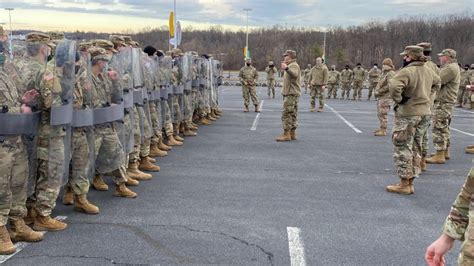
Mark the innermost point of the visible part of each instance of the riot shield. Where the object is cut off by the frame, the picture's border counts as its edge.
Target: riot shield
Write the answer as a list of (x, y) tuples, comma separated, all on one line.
[(196, 68), (126, 136), (61, 82), (170, 84), (148, 69), (140, 94)]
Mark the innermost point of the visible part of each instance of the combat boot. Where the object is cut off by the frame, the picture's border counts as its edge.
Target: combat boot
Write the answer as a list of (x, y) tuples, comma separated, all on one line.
[(146, 165), (6, 245), (81, 204), (401, 188), (123, 191), (293, 134), (178, 138), (132, 182), (209, 117), (173, 142), (380, 133), (423, 164), (312, 109), (246, 109), (193, 127), (134, 173), (68, 196), (46, 223), (19, 231), (257, 109), (469, 149), (30, 216), (204, 121), (156, 152), (320, 109), (163, 146), (438, 158), (151, 160), (412, 187), (189, 133), (284, 137), (99, 184), (447, 154)]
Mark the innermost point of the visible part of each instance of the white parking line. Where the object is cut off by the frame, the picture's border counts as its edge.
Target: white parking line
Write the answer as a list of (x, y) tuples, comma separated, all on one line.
[(255, 122), (343, 119), (22, 245), (296, 247), (465, 111), (463, 132)]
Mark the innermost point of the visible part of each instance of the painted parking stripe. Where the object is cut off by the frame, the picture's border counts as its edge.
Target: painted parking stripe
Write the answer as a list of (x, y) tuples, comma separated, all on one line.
[(343, 119), (460, 131), (296, 247), (255, 121)]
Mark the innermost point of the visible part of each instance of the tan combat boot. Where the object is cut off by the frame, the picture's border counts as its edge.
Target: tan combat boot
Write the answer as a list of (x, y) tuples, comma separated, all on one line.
[(246, 109), (412, 187), (151, 160), (173, 142), (19, 231), (447, 154), (193, 127), (163, 146), (123, 191), (216, 114), (469, 149), (423, 164), (99, 184), (178, 138), (381, 133), (81, 204), (132, 182), (6, 245), (156, 152), (134, 173), (284, 137), (320, 109), (146, 165), (68, 196), (257, 109), (204, 121), (401, 188), (189, 133), (30, 216), (46, 223), (293, 134), (438, 158), (211, 118), (311, 109)]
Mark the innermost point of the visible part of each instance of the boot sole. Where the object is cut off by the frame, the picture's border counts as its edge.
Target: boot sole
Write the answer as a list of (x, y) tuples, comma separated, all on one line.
[(77, 209), (125, 196), (399, 192), (8, 252), (68, 203), (100, 189), (40, 228), (20, 239)]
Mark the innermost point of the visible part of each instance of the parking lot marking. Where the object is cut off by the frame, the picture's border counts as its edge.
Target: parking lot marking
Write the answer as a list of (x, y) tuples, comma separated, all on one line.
[(343, 119), (296, 247), (255, 121)]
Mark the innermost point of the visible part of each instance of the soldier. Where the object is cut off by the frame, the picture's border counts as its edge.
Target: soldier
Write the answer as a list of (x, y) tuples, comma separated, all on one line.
[(374, 75), (462, 86), (248, 77), (443, 106), (291, 93), (383, 96), (13, 166), (346, 80), (410, 89), (305, 75), (359, 75), (469, 95), (177, 80), (333, 82), (318, 79), (271, 70), (458, 226)]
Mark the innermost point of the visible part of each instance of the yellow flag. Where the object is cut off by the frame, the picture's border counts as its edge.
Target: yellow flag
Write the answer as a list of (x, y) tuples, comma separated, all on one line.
[(171, 24)]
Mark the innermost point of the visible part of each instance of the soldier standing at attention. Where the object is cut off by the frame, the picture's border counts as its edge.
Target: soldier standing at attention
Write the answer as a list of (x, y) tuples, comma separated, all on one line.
[(359, 77), (333, 82), (318, 79), (374, 75), (346, 79), (383, 97), (248, 78), (271, 70)]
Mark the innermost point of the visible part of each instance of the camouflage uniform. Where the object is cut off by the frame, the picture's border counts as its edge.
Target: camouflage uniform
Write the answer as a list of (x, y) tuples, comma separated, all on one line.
[(14, 168), (359, 78), (425, 145), (271, 80), (333, 83), (346, 79), (291, 93), (305, 76), (461, 100), (460, 221), (374, 75), (318, 79), (248, 77), (383, 97)]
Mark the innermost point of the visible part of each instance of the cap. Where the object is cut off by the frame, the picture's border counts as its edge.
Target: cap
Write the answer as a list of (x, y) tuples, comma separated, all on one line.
[(290, 52), (127, 40), (40, 38), (176, 52), (117, 40), (107, 45), (84, 46), (56, 35), (426, 46), (413, 50), (448, 52), (388, 62), (98, 53)]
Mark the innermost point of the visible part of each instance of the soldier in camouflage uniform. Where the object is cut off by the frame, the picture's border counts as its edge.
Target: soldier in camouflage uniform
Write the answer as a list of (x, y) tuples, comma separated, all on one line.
[(359, 75), (461, 100), (443, 106), (248, 78), (177, 79), (291, 94), (410, 89), (383, 97), (346, 80), (271, 70), (458, 226), (318, 79), (374, 75), (305, 76), (333, 82), (13, 170)]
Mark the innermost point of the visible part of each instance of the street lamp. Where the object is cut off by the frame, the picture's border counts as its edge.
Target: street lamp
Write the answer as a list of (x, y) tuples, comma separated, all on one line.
[(9, 9), (247, 39)]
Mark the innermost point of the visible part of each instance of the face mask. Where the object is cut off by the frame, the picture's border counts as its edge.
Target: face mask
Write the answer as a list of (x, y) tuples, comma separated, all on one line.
[(347, 68), (375, 67), (333, 69), (358, 66), (248, 64), (406, 63), (2, 59)]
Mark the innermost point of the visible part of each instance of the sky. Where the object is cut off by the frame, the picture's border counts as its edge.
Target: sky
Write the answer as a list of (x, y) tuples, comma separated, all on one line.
[(133, 16)]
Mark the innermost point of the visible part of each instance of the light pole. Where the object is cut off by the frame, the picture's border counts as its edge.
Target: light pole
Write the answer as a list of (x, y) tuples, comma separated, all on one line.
[(247, 39), (9, 9)]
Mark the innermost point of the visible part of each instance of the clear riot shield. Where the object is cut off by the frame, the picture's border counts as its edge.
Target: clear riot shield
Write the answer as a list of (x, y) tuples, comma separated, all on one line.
[(60, 78), (206, 71), (140, 95), (83, 134), (126, 136), (170, 87), (196, 68), (148, 68), (179, 88)]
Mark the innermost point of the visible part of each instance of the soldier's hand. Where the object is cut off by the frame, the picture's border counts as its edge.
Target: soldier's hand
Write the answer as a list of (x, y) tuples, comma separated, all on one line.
[(434, 255), (112, 75), (29, 96), (25, 109), (283, 66)]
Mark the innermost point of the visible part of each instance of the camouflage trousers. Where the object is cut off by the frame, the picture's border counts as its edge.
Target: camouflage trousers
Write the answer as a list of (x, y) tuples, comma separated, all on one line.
[(250, 92), (383, 107), (271, 87), (461, 95), (317, 91), (357, 89), (173, 102), (188, 110), (13, 179), (332, 90), (306, 86), (204, 106), (418, 144), (146, 131), (195, 94), (80, 170), (407, 151), (167, 121), (425, 142), (466, 256), (346, 89), (156, 121), (109, 153), (289, 116), (441, 120), (372, 85)]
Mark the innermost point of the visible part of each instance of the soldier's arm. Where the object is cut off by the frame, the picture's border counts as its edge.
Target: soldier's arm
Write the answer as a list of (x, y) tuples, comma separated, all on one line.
[(325, 76), (396, 85), (255, 75), (436, 86), (292, 71), (446, 74), (458, 219)]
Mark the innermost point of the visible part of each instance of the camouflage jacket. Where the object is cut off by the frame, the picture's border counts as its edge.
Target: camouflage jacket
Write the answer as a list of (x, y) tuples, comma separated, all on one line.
[(334, 77), (382, 91), (464, 79), (306, 74), (292, 80), (374, 74), (319, 75), (270, 72), (450, 79), (248, 75), (359, 74), (347, 75), (9, 98)]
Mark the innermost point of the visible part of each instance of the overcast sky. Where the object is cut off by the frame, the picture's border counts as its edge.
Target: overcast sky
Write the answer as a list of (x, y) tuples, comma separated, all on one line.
[(122, 15)]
